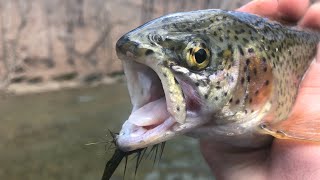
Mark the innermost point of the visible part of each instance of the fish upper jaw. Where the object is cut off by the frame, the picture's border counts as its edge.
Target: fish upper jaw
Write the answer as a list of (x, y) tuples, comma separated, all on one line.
[(160, 111)]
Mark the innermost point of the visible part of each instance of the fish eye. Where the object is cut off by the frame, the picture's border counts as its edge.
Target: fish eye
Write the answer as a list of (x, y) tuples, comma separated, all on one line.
[(198, 57)]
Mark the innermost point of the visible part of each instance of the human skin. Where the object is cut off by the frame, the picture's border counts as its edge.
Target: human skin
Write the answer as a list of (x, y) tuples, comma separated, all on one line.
[(283, 159)]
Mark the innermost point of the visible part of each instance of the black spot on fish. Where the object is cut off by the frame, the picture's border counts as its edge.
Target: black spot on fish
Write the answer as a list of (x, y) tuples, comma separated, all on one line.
[(248, 78), (216, 98), (267, 82), (255, 71), (250, 100), (247, 62), (206, 96), (215, 33), (236, 37), (245, 40), (178, 108), (265, 69), (250, 50), (257, 92), (242, 80), (225, 93), (240, 50), (230, 101), (218, 87), (264, 59), (221, 39), (197, 84), (237, 101)]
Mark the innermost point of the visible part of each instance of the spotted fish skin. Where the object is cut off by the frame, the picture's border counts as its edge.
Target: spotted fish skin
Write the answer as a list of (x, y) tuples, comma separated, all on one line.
[(271, 59), (253, 75)]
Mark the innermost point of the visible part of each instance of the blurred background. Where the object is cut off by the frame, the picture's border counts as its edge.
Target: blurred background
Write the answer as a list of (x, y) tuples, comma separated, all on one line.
[(63, 87)]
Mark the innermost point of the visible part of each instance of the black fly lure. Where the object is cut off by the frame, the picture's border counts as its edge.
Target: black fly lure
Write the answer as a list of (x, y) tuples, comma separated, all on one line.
[(139, 154)]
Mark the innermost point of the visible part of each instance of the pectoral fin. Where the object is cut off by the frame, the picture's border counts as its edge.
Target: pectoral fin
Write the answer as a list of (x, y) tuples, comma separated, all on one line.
[(299, 129)]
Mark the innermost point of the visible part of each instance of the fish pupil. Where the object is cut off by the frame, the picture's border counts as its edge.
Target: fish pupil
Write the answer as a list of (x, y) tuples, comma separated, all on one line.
[(200, 56)]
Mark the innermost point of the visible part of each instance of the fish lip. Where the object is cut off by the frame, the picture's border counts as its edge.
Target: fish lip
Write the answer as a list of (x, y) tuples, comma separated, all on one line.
[(163, 132), (169, 128)]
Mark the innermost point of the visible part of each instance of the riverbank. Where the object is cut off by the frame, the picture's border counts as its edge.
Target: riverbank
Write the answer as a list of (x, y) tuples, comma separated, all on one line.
[(27, 88)]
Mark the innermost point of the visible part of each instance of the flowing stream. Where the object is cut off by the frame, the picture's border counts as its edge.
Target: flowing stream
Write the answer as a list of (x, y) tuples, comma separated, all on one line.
[(43, 136)]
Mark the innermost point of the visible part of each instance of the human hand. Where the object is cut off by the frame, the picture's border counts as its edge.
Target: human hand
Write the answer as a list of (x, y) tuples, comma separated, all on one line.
[(283, 159)]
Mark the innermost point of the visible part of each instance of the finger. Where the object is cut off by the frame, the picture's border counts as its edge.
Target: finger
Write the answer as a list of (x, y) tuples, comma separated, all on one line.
[(292, 10), (267, 8), (311, 18), (288, 10)]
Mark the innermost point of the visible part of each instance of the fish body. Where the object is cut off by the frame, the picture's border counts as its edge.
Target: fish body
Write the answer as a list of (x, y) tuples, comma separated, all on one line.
[(226, 75)]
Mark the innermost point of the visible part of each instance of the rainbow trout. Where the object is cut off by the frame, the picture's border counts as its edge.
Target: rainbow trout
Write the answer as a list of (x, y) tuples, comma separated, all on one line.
[(226, 75)]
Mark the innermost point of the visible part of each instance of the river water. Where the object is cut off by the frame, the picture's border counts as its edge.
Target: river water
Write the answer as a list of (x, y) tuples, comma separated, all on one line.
[(44, 136)]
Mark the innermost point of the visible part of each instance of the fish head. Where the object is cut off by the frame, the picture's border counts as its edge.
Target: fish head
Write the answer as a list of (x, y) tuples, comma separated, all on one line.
[(177, 78)]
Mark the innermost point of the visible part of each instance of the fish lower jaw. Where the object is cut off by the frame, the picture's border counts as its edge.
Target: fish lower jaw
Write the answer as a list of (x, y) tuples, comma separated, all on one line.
[(137, 133), (133, 136)]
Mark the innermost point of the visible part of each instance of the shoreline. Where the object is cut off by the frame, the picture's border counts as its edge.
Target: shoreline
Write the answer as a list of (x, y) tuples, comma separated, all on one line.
[(49, 86)]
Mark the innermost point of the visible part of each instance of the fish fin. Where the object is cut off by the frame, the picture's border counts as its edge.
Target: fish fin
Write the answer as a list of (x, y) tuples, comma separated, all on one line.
[(298, 129)]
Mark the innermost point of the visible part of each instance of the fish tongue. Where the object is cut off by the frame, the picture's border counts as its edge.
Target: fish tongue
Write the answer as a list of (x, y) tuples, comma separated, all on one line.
[(153, 113)]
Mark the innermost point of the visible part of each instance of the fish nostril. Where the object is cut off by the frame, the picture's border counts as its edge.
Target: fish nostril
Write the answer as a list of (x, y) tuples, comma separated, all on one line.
[(149, 52)]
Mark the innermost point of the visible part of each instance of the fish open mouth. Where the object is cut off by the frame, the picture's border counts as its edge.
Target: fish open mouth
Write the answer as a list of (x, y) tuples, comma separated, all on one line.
[(162, 108)]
